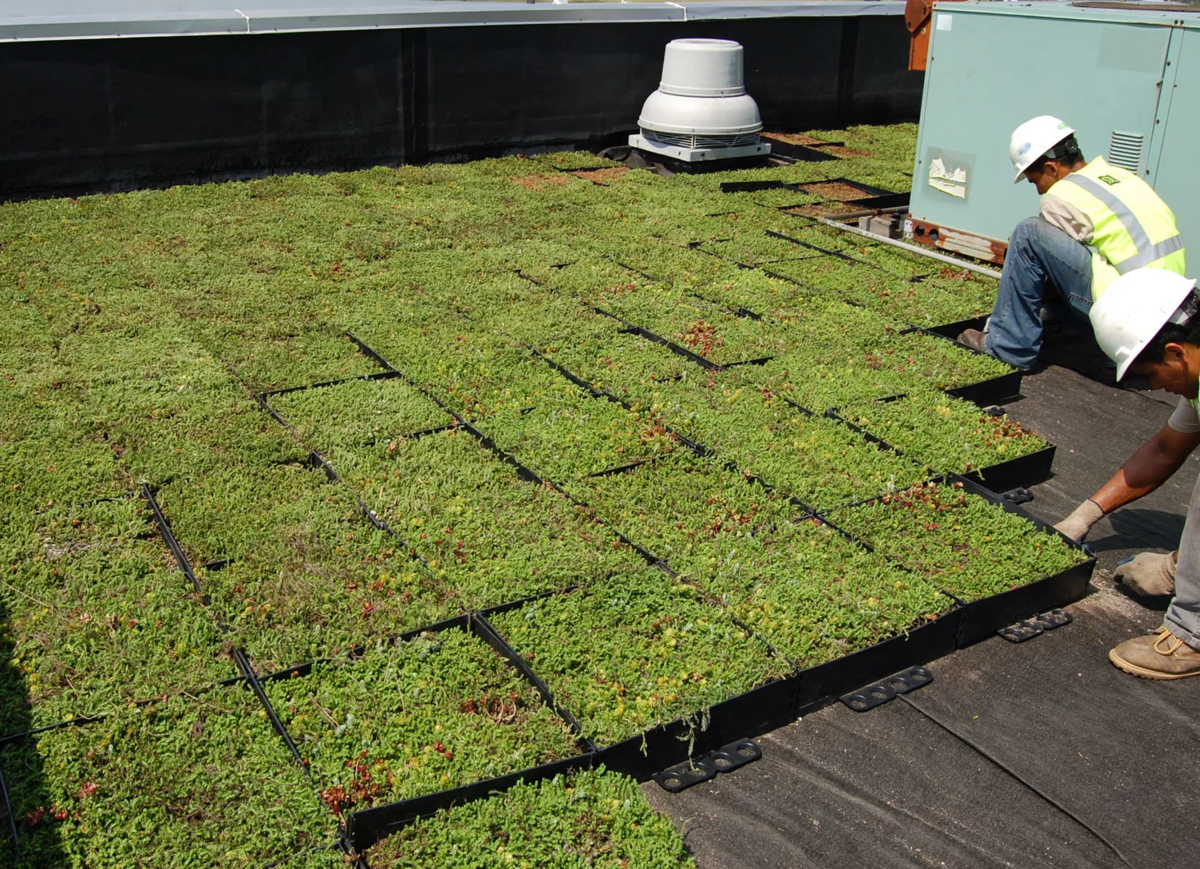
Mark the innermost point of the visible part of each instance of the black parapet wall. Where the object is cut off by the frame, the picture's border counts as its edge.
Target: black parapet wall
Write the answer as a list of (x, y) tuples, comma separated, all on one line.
[(93, 115)]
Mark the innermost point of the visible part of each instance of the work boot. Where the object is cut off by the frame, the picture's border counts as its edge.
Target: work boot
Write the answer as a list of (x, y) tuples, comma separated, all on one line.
[(1161, 656), (973, 338)]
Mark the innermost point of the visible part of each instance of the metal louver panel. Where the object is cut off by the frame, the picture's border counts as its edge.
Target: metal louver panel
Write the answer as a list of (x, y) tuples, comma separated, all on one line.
[(1125, 150), (691, 140)]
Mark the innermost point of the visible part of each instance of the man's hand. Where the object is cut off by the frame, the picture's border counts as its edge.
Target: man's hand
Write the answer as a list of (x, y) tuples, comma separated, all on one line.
[(1080, 522), (1150, 573)]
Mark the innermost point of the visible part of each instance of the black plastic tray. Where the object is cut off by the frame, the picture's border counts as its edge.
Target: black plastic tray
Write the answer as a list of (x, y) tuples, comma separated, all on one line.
[(367, 826), (982, 618), (363, 829), (868, 189), (821, 250), (678, 349), (953, 330), (1027, 470), (484, 630), (995, 390), (747, 715), (790, 153), (824, 683), (716, 303), (378, 375), (300, 670)]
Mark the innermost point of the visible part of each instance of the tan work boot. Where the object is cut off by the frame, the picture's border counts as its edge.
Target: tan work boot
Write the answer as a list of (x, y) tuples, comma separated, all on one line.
[(1161, 656), (973, 338)]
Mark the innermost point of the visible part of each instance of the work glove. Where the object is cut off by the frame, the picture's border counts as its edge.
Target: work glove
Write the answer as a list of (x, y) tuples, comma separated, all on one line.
[(1080, 522), (1150, 573)]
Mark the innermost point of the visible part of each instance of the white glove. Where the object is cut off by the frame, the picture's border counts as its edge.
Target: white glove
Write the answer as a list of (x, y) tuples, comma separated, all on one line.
[(1150, 573), (1080, 522)]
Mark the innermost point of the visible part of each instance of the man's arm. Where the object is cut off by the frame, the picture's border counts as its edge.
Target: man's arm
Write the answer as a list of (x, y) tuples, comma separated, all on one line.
[(1143, 472), (1147, 469), (1062, 214)]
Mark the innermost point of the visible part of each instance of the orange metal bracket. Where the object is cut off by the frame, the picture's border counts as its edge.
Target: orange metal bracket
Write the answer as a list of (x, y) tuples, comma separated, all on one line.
[(918, 17)]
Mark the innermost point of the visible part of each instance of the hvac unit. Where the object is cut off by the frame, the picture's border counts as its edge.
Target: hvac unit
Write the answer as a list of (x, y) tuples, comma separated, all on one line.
[(1125, 75)]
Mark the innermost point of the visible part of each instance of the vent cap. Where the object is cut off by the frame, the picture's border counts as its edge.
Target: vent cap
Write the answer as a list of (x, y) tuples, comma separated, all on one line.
[(702, 68), (701, 110)]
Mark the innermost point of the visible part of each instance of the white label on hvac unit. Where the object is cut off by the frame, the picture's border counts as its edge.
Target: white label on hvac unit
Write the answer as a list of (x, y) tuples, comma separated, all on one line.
[(952, 181), (945, 21)]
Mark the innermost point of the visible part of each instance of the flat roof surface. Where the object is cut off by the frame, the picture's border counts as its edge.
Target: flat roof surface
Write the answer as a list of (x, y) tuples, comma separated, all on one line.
[(75, 19), (1038, 754)]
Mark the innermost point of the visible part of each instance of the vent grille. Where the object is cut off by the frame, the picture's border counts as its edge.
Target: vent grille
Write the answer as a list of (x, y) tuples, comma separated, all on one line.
[(1125, 150), (691, 140)]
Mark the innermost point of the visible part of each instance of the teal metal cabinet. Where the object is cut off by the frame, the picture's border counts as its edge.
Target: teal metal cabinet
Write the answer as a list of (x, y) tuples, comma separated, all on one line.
[(1173, 158), (1127, 79)]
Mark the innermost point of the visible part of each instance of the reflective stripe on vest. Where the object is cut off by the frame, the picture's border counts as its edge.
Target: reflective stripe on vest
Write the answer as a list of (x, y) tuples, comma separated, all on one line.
[(1146, 252)]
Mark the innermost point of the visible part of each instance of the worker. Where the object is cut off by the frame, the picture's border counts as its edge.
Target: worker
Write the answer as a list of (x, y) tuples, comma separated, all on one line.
[(1095, 221), (1148, 322)]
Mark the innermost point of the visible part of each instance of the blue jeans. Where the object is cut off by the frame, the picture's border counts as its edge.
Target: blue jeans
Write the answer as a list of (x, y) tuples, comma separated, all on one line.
[(1040, 256), (1183, 616)]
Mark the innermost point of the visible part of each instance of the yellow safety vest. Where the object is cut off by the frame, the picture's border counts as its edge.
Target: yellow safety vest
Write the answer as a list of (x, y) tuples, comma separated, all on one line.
[(1132, 227)]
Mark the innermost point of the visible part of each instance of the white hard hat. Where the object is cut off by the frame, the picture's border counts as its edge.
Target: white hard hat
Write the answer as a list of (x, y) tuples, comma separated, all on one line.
[(1134, 309), (1033, 139)]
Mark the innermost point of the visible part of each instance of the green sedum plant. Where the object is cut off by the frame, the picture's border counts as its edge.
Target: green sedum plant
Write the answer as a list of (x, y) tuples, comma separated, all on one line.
[(947, 434), (136, 328), (327, 583), (486, 534), (358, 412), (589, 818), (190, 781), (682, 504), (820, 597), (96, 615), (406, 719), (960, 542), (578, 435), (816, 460), (633, 653)]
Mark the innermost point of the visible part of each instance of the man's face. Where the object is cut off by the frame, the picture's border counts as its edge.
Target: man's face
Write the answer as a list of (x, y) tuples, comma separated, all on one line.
[(1172, 374), (1044, 177)]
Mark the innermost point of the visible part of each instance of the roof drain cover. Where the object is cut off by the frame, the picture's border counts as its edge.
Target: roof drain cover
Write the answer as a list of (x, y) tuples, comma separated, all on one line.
[(701, 111)]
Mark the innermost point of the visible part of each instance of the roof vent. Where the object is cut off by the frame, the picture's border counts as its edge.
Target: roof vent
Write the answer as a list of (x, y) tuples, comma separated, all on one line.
[(701, 111), (1125, 150)]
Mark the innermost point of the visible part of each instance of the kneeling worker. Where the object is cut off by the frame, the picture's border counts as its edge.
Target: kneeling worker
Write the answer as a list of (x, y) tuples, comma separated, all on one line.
[(1148, 322), (1096, 221)]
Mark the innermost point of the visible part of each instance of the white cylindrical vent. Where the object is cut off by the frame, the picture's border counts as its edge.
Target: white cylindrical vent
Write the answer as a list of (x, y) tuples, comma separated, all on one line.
[(701, 110), (702, 68), (734, 119)]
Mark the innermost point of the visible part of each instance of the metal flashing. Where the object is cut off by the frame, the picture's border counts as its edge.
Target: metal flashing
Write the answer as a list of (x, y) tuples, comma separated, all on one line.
[(28, 20)]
